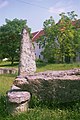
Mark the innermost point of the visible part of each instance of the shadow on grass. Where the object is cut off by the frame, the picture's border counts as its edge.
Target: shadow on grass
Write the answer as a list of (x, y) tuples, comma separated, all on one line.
[(9, 75), (40, 64), (9, 64)]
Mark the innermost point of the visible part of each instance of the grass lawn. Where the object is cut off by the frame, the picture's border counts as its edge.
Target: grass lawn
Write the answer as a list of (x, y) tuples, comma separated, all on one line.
[(37, 113), (43, 66), (6, 81), (45, 114)]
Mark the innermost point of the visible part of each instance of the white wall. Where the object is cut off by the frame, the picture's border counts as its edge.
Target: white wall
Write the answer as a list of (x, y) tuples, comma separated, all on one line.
[(38, 50)]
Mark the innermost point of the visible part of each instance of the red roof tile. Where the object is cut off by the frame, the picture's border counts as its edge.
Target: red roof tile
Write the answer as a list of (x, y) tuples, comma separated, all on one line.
[(76, 23), (37, 34)]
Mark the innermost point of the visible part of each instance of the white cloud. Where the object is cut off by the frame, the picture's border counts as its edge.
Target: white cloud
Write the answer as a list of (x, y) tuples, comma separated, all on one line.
[(61, 6), (3, 3)]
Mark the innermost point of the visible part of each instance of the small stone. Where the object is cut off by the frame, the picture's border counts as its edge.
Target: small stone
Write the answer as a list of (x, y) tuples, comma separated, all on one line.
[(15, 88), (20, 81)]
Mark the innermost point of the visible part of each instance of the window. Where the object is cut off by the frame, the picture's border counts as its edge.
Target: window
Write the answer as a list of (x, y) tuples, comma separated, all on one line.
[(39, 46), (39, 56)]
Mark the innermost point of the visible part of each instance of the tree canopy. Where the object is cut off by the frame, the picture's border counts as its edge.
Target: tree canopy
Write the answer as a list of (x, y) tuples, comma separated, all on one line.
[(62, 39), (10, 37)]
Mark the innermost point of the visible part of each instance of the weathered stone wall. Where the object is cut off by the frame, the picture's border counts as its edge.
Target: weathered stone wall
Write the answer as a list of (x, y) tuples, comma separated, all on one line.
[(7, 71), (59, 86)]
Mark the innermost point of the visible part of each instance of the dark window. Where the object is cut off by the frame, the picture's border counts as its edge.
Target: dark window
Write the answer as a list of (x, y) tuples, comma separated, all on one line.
[(39, 46), (39, 56)]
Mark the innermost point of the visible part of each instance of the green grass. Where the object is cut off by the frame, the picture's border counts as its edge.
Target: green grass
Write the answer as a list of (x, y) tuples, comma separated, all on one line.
[(43, 114), (69, 111), (6, 81), (43, 66)]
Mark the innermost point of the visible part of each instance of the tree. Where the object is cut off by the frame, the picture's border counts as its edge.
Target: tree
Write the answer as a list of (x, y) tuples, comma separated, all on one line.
[(10, 37), (67, 37), (48, 40), (61, 39)]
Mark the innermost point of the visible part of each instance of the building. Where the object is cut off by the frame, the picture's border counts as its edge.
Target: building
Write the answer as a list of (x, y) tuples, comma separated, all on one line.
[(39, 49), (37, 46)]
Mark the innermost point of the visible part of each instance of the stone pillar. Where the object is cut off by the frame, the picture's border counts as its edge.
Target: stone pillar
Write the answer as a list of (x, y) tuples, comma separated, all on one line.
[(27, 63)]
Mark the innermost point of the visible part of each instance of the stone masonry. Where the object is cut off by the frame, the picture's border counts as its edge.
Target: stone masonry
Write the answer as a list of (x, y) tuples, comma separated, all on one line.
[(18, 101), (56, 86), (27, 63)]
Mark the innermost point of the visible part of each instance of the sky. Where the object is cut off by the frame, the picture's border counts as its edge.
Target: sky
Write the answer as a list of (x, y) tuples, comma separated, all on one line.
[(36, 11)]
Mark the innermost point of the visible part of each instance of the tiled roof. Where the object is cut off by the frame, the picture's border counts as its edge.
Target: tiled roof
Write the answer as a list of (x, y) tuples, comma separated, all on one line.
[(37, 34), (76, 23)]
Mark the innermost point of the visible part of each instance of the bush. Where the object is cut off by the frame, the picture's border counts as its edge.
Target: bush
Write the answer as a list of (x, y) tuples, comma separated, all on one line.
[(39, 60)]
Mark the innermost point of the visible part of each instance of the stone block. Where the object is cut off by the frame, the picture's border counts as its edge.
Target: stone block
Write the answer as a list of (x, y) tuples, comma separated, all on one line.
[(18, 101)]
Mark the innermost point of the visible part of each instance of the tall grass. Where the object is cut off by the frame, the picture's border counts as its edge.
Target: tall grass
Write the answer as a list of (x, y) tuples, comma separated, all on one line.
[(42, 114)]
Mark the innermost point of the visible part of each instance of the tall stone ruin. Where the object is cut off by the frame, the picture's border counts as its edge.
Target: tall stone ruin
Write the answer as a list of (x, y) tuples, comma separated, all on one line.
[(17, 98), (27, 63)]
